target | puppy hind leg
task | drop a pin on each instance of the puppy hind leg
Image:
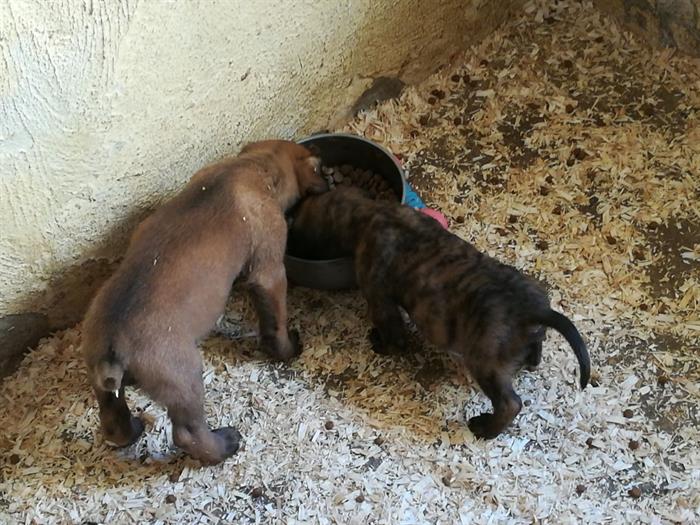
(533, 355)
(119, 427)
(532, 352)
(506, 404)
(269, 294)
(192, 434)
(179, 387)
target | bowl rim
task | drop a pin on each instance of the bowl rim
(386, 152)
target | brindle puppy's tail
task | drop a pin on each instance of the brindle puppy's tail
(565, 327)
(109, 371)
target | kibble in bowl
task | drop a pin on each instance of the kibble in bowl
(346, 175)
(346, 160)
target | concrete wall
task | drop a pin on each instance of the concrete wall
(661, 23)
(107, 106)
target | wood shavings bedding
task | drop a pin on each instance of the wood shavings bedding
(560, 145)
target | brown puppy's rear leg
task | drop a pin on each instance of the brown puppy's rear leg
(177, 384)
(269, 294)
(191, 433)
(389, 332)
(506, 405)
(120, 428)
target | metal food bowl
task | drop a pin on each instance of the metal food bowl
(336, 149)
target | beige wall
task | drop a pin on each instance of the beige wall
(106, 106)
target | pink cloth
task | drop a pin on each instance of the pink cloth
(435, 215)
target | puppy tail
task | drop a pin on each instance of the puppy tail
(565, 327)
(109, 371)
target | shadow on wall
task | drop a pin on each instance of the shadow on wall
(64, 299)
(662, 23)
(423, 49)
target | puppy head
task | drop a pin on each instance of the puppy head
(298, 172)
(310, 234)
(303, 229)
(303, 218)
(313, 212)
(307, 168)
(321, 226)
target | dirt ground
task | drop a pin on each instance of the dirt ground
(559, 145)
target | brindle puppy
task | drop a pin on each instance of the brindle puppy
(487, 315)
(143, 325)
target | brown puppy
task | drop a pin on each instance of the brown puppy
(143, 325)
(487, 315)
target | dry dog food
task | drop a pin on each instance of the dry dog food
(371, 182)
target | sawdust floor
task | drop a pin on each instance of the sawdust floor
(559, 145)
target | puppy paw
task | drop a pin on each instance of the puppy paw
(230, 440)
(481, 426)
(282, 349)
